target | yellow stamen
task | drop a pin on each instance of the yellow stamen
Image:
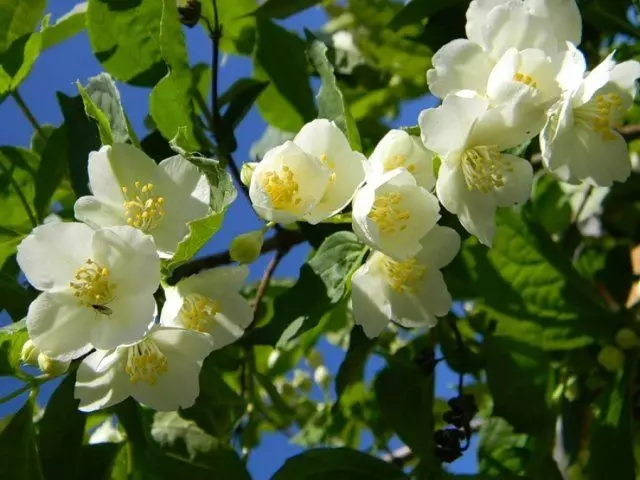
(601, 114)
(404, 276)
(388, 214)
(143, 210)
(526, 79)
(484, 168)
(397, 161)
(91, 285)
(198, 312)
(281, 188)
(145, 362)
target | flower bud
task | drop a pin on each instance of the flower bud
(627, 339)
(315, 359)
(322, 377)
(611, 358)
(189, 12)
(247, 172)
(29, 353)
(51, 366)
(246, 248)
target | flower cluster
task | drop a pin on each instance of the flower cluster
(98, 280)
(516, 76)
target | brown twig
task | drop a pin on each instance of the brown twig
(282, 240)
(266, 277)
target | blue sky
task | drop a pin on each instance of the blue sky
(59, 68)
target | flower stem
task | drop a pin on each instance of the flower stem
(27, 113)
(15, 394)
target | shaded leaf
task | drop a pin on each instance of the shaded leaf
(237, 24)
(18, 18)
(351, 369)
(18, 454)
(12, 338)
(283, 8)
(52, 169)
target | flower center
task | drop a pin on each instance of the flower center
(91, 284)
(601, 114)
(142, 209)
(404, 276)
(397, 161)
(198, 312)
(388, 214)
(145, 362)
(282, 189)
(483, 168)
(526, 79)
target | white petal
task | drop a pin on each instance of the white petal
(52, 253)
(322, 137)
(439, 247)
(183, 173)
(562, 18)
(98, 214)
(59, 326)
(434, 295)
(459, 65)
(213, 280)
(477, 16)
(518, 177)
(171, 308)
(572, 66)
(130, 318)
(371, 306)
(99, 388)
(130, 164)
(624, 76)
(131, 257)
(235, 316)
(446, 128)
(595, 80)
(102, 178)
(475, 210)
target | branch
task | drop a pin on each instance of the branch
(630, 132)
(266, 277)
(27, 113)
(283, 240)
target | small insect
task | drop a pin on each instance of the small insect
(103, 309)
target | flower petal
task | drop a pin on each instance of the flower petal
(99, 388)
(459, 65)
(52, 253)
(59, 326)
(130, 318)
(434, 295)
(371, 307)
(439, 247)
(212, 281)
(322, 137)
(97, 214)
(518, 178)
(102, 178)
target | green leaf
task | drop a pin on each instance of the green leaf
(125, 37)
(67, 26)
(18, 18)
(38, 140)
(287, 103)
(237, 24)
(405, 398)
(283, 8)
(610, 428)
(529, 288)
(61, 431)
(337, 464)
(415, 10)
(18, 454)
(322, 283)
(17, 61)
(12, 338)
(104, 96)
(218, 407)
(101, 119)
(83, 134)
(223, 192)
(331, 102)
(52, 170)
(549, 205)
(501, 452)
(170, 102)
(97, 461)
(467, 359)
(241, 96)
(15, 299)
(520, 379)
(351, 369)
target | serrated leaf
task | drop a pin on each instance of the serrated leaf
(12, 338)
(61, 432)
(331, 102)
(101, 119)
(337, 464)
(287, 103)
(66, 26)
(18, 454)
(283, 8)
(125, 38)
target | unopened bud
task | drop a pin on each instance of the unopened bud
(29, 353)
(246, 248)
(315, 359)
(321, 376)
(627, 339)
(189, 11)
(611, 358)
(51, 366)
(247, 172)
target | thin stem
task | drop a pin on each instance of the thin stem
(583, 203)
(460, 343)
(21, 197)
(15, 394)
(216, 35)
(266, 278)
(27, 113)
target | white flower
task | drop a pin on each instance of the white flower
(288, 183)
(391, 213)
(475, 177)
(325, 140)
(161, 371)
(209, 302)
(412, 293)
(129, 188)
(312, 178)
(579, 141)
(497, 25)
(97, 287)
(399, 149)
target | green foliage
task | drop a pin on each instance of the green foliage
(283, 8)
(18, 446)
(12, 338)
